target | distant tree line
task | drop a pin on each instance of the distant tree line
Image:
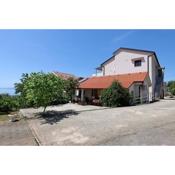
(171, 87)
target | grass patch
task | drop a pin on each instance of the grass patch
(4, 116)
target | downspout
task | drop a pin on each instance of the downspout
(150, 77)
(103, 69)
(148, 60)
(148, 63)
(163, 73)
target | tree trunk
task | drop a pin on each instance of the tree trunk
(45, 108)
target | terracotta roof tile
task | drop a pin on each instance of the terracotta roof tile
(104, 82)
(65, 76)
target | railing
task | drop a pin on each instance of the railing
(140, 100)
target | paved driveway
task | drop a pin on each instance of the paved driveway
(71, 124)
(16, 134)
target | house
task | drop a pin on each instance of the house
(66, 76)
(137, 70)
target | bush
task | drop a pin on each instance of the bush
(8, 103)
(115, 96)
(171, 87)
(70, 85)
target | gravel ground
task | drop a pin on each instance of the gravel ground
(71, 124)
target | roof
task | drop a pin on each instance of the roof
(66, 76)
(135, 50)
(104, 82)
(131, 49)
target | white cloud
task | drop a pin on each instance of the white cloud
(123, 36)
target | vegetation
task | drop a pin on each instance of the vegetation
(69, 92)
(171, 87)
(19, 89)
(115, 96)
(4, 117)
(70, 86)
(40, 89)
(9, 103)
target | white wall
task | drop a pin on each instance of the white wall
(153, 73)
(98, 74)
(151, 78)
(123, 64)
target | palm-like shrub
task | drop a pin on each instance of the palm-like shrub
(115, 95)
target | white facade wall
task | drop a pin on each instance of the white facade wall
(151, 78)
(123, 64)
(98, 74)
(153, 73)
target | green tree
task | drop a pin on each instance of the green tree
(70, 85)
(115, 96)
(171, 87)
(42, 89)
(19, 89)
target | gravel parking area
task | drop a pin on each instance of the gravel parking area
(72, 124)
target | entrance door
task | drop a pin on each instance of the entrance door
(95, 93)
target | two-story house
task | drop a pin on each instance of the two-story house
(137, 70)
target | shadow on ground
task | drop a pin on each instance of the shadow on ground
(53, 117)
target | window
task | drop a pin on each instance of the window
(137, 63)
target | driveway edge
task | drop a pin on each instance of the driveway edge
(34, 135)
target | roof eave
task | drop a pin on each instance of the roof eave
(107, 60)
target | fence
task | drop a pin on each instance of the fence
(140, 100)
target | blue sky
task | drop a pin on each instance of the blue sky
(76, 51)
